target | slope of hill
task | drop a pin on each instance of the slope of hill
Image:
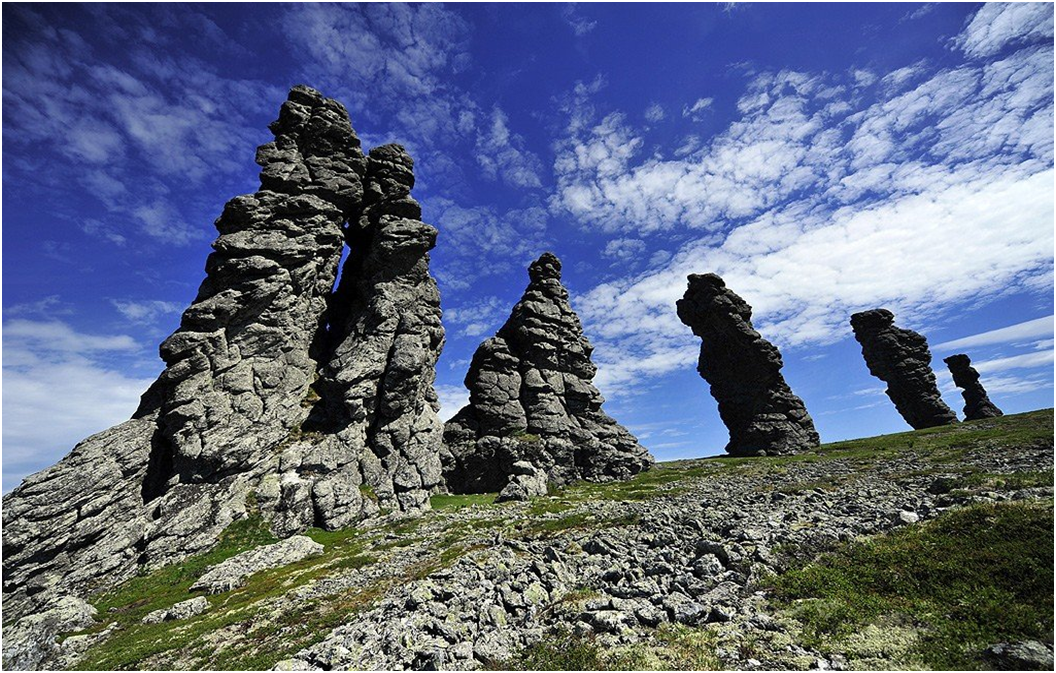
(919, 549)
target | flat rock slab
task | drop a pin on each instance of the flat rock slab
(233, 572)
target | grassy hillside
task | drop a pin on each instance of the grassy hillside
(973, 576)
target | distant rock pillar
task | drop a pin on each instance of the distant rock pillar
(762, 414)
(901, 359)
(976, 403)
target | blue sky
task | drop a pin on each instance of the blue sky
(823, 159)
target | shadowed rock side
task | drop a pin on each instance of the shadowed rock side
(901, 359)
(531, 399)
(762, 414)
(976, 403)
(281, 395)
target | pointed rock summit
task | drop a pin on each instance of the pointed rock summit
(282, 396)
(532, 404)
(762, 414)
(976, 402)
(901, 359)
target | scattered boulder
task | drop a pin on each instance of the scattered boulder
(762, 414)
(976, 403)
(526, 481)
(901, 359)
(233, 572)
(313, 404)
(531, 400)
(1027, 655)
(182, 610)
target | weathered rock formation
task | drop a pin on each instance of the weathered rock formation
(901, 359)
(531, 399)
(762, 414)
(282, 395)
(976, 403)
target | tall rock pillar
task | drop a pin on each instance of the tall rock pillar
(976, 402)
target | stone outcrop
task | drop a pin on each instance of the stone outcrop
(976, 403)
(762, 414)
(282, 395)
(232, 573)
(531, 399)
(901, 359)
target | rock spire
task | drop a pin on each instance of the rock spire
(762, 414)
(901, 359)
(283, 396)
(976, 402)
(531, 400)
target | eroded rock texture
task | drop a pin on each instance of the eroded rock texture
(282, 395)
(901, 359)
(531, 399)
(762, 414)
(976, 403)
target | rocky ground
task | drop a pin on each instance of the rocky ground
(673, 569)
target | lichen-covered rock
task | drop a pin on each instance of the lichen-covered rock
(976, 402)
(901, 359)
(33, 642)
(232, 573)
(280, 391)
(531, 399)
(182, 610)
(762, 414)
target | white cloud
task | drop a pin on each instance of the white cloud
(1030, 330)
(452, 399)
(935, 191)
(1022, 361)
(483, 316)
(729, 6)
(54, 372)
(998, 24)
(919, 12)
(654, 112)
(696, 110)
(624, 249)
(145, 312)
(580, 24)
(502, 155)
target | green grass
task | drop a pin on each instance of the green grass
(443, 501)
(969, 579)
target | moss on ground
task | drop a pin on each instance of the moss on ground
(446, 501)
(969, 579)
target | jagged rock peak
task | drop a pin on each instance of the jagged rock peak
(532, 401)
(977, 403)
(762, 414)
(282, 396)
(900, 358)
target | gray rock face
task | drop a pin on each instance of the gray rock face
(1027, 655)
(531, 399)
(901, 359)
(33, 642)
(976, 402)
(762, 414)
(233, 572)
(313, 404)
